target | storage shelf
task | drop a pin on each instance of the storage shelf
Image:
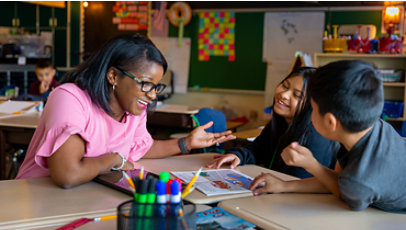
(393, 90)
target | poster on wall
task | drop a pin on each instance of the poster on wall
(285, 34)
(216, 35)
(131, 15)
(178, 59)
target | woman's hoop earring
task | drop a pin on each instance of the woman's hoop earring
(114, 87)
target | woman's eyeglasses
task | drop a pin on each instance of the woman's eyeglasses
(146, 86)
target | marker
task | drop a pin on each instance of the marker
(180, 183)
(142, 173)
(161, 192)
(161, 200)
(175, 192)
(164, 176)
(142, 192)
(168, 190)
(151, 195)
(130, 182)
(188, 186)
(136, 181)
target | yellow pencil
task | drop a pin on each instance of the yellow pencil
(188, 186)
(130, 181)
(187, 192)
(111, 217)
(142, 173)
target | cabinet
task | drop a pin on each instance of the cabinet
(392, 90)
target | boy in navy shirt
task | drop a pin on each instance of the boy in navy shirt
(347, 100)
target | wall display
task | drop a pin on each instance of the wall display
(216, 35)
(131, 15)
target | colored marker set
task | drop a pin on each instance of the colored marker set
(157, 204)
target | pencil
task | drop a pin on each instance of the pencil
(130, 181)
(111, 217)
(142, 172)
(188, 186)
(187, 192)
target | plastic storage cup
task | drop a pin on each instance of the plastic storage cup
(132, 215)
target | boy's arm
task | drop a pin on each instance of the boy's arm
(299, 156)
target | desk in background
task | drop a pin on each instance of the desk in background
(173, 116)
(15, 129)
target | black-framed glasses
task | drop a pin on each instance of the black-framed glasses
(146, 86)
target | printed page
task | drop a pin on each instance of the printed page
(218, 182)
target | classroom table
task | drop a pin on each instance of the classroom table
(309, 211)
(192, 162)
(39, 203)
(15, 129)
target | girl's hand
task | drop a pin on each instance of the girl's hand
(219, 160)
(199, 138)
(266, 183)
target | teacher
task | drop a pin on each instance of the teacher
(95, 121)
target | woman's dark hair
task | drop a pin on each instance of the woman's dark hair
(127, 52)
(297, 129)
(351, 90)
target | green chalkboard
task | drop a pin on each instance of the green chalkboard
(247, 72)
(355, 18)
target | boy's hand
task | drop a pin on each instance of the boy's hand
(43, 87)
(297, 155)
(219, 160)
(266, 183)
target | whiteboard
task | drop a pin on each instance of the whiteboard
(178, 59)
(284, 34)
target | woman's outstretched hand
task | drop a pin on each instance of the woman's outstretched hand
(199, 138)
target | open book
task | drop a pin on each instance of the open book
(218, 181)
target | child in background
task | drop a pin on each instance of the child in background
(46, 83)
(290, 121)
(347, 100)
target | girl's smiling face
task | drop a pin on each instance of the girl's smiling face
(287, 96)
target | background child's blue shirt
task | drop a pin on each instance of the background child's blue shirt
(374, 170)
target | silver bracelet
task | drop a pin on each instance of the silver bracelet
(122, 162)
(182, 145)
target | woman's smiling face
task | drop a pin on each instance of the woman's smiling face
(128, 94)
(287, 96)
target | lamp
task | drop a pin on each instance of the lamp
(392, 15)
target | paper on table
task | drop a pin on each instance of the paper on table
(10, 107)
(218, 181)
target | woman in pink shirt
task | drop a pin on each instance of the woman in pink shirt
(95, 121)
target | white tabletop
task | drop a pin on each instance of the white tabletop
(310, 211)
(39, 202)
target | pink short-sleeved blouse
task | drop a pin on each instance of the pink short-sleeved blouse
(68, 111)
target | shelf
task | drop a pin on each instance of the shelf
(394, 84)
(344, 55)
(395, 119)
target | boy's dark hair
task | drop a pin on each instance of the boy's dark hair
(128, 52)
(297, 129)
(43, 63)
(350, 90)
